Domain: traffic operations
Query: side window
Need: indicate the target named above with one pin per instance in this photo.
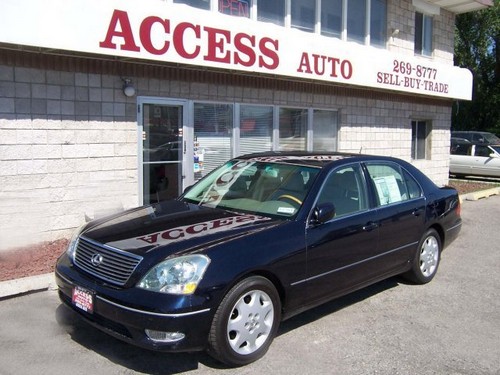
(414, 189)
(345, 188)
(460, 149)
(483, 151)
(390, 185)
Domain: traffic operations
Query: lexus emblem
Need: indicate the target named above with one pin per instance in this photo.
(96, 260)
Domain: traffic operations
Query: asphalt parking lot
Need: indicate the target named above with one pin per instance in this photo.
(450, 326)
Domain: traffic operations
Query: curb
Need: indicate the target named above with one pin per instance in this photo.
(13, 288)
(481, 194)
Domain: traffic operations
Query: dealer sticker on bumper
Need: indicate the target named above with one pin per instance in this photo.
(83, 299)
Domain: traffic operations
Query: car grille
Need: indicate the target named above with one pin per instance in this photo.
(109, 264)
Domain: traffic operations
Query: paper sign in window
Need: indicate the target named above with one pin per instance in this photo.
(387, 190)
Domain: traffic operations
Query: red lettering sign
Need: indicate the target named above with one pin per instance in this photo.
(221, 45)
(322, 65)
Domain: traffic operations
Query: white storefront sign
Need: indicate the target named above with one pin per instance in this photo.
(175, 33)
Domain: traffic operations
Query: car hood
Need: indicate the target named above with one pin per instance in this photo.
(176, 224)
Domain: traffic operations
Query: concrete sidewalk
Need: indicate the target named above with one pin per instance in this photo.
(12, 288)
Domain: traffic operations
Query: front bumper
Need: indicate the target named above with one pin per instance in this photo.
(127, 313)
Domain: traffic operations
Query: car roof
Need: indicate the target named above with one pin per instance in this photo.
(472, 143)
(314, 159)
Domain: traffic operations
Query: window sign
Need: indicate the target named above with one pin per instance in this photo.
(387, 190)
(199, 158)
(391, 186)
(240, 8)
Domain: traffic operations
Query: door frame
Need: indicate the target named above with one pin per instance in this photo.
(187, 139)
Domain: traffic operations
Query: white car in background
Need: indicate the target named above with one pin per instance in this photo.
(473, 159)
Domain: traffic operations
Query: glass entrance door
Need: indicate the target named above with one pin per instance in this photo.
(162, 150)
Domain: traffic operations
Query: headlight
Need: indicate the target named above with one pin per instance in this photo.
(176, 276)
(70, 251)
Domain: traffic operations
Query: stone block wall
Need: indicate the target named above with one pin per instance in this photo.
(68, 151)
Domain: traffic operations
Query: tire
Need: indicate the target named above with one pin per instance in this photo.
(246, 322)
(427, 257)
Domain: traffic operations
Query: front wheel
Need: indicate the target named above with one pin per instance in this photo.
(427, 258)
(246, 322)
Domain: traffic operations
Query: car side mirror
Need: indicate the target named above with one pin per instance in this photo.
(493, 155)
(322, 213)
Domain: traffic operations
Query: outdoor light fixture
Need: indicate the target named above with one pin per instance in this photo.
(128, 88)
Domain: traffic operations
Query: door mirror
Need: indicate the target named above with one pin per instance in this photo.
(322, 213)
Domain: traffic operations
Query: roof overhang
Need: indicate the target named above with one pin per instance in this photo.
(461, 6)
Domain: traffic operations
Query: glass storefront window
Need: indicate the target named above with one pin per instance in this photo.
(378, 22)
(325, 127)
(303, 14)
(162, 152)
(271, 11)
(356, 19)
(331, 18)
(240, 8)
(202, 4)
(293, 129)
(213, 134)
(256, 129)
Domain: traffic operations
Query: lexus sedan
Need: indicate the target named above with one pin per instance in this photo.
(260, 239)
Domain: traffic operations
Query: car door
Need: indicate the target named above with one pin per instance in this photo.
(460, 158)
(341, 252)
(400, 213)
(483, 163)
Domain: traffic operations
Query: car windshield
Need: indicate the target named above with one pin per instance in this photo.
(496, 148)
(270, 189)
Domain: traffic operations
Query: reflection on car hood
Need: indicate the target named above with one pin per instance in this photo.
(172, 223)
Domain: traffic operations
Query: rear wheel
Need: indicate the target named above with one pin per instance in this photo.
(427, 259)
(246, 322)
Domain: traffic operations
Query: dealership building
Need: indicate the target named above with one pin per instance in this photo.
(110, 104)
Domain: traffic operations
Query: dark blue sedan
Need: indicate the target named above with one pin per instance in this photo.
(260, 239)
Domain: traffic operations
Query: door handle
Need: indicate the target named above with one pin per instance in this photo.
(417, 212)
(370, 226)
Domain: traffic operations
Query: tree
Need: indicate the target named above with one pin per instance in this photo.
(477, 48)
